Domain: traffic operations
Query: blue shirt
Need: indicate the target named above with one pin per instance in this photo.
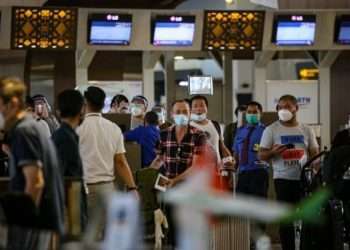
(147, 137)
(253, 148)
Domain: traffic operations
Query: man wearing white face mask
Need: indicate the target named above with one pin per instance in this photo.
(288, 144)
(199, 120)
(138, 110)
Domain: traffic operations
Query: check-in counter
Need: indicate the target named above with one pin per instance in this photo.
(133, 156)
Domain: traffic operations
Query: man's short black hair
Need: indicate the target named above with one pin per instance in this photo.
(151, 118)
(180, 101)
(255, 104)
(95, 97)
(118, 99)
(240, 108)
(70, 103)
(199, 97)
(290, 98)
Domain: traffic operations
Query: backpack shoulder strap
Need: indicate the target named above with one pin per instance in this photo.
(217, 127)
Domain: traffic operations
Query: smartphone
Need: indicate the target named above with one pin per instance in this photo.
(290, 146)
(161, 183)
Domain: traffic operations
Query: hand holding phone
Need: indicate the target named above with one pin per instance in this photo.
(290, 146)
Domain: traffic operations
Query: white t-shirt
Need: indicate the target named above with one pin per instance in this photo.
(99, 141)
(288, 166)
(213, 135)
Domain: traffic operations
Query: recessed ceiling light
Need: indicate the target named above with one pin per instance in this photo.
(183, 83)
(179, 57)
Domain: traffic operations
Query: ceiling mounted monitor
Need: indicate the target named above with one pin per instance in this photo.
(201, 85)
(109, 29)
(173, 30)
(294, 30)
(342, 30)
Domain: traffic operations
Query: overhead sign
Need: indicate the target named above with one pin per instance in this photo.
(306, 93)
(267, 3)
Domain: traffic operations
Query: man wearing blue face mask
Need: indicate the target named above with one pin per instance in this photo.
(179, 148)
(179, 145)
(253, 176)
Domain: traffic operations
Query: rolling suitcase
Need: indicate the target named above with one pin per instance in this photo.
(230, 233)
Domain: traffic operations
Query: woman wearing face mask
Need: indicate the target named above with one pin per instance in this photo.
(288, 144)
(138, 109)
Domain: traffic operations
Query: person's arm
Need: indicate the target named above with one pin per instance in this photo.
(266, 154)
(123, 170)
(314, 150)
(27, 151)
(180, 177)
(225, 151)
(268, 149)
(35, 183)
(235, 150)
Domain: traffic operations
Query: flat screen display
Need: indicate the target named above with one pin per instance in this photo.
(292, 30)
(173, 30)
(200, 85)
(109, 29)
(343, 30)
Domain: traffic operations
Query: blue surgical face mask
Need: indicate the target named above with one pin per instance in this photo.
(181, 120)
(198, 118)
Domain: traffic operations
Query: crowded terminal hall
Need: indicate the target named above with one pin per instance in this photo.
(174, 125)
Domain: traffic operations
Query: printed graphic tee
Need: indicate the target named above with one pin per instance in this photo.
(288, 165)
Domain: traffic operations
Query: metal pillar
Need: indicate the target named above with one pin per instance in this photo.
(170, 80)
(260, 94)
(149, 60)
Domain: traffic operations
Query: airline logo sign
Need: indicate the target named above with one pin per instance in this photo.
(303, 101)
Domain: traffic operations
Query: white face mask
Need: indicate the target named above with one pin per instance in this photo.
(136, 111)
(198, 118)
(285, 115)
